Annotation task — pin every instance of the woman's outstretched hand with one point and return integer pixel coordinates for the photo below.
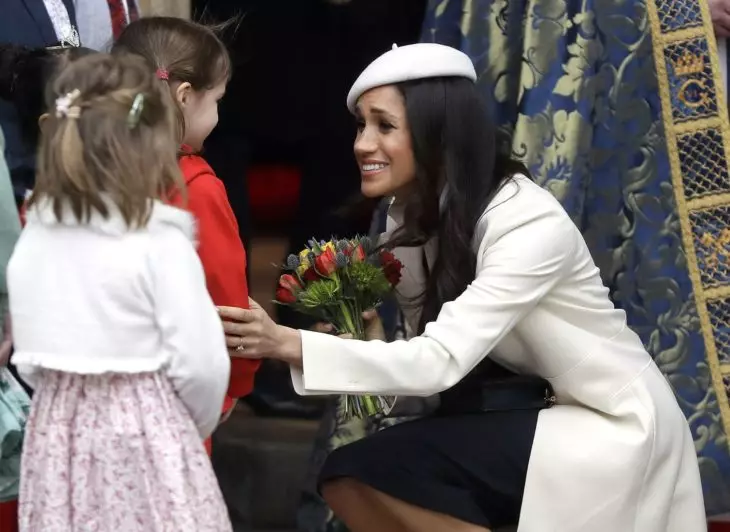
(251, 333)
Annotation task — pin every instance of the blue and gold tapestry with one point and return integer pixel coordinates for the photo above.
(617, 108)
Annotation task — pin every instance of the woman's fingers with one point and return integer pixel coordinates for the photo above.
(233, 341)
(244, 328)
(253, 305)
(234, 353)
(370, 314)
(238, 314)
(254, 329)
(250, 333)
(233, 328)
(242, 347)
(323, 327)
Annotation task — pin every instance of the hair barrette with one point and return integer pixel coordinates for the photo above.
(162, 73)
(65, 105)
(135, 111)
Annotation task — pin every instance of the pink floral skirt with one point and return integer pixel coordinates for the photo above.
(115, 453)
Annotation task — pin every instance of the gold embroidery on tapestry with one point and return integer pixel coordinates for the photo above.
(697, 129)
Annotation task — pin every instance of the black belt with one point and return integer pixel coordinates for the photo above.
(516, 392)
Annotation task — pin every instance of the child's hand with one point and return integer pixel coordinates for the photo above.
(6, 346)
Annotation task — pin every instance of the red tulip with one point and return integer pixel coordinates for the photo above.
(326, 263)
(287, 290)
(290, 282)
(310, 275)
(285, 296)
(358, 254)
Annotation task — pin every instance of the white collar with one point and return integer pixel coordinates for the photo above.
(42, 213)
(396, 209)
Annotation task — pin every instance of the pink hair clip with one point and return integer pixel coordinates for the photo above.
(162, 73)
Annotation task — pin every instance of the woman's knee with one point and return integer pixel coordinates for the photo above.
(340, 492)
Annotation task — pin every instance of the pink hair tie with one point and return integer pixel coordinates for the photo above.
(162, 74)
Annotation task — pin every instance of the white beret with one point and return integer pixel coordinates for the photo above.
(414, 61)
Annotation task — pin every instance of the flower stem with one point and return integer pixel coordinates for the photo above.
(347, 318)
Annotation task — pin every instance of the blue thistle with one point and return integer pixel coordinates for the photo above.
(341, 260)
(367, 244)
(292, 262)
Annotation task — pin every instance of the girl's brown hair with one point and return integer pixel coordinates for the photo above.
(180, 51)
(96, 150)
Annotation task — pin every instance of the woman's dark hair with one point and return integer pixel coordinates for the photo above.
(459, 167)
(24, 75)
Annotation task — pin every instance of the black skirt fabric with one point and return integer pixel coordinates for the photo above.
(471, 467)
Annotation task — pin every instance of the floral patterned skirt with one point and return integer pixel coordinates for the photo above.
(115, 453)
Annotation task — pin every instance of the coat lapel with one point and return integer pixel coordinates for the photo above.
(37, 11)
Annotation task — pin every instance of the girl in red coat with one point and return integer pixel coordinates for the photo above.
(193, 61)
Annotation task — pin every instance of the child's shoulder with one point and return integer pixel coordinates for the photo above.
(162, 217)
(200, 179)
(167, 218)
(201, 182)
(192, 164)
(195, 168)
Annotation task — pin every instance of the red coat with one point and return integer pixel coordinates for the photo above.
(9, 516)
(221, 252)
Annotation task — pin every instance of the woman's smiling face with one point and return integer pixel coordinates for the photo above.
(383, 147)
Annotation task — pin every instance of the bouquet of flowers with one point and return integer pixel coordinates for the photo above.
(335, 282)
